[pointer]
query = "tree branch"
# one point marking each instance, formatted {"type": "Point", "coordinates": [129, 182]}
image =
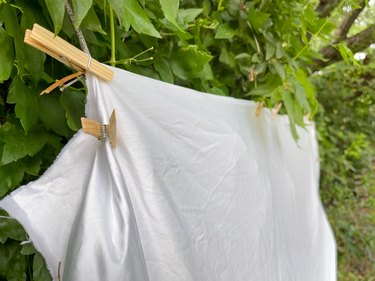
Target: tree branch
{"type": "Point", "coordinates": [355, 43]}
{"type": "Point", "coordinates": [348, 21]}
{"type": "Point", "coordinates": [325, 7]}
{"type": "Point", "coordinates": [81, 38]}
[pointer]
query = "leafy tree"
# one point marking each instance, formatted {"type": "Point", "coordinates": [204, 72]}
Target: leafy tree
{"type": "Point", "coordinates": [261, 50]}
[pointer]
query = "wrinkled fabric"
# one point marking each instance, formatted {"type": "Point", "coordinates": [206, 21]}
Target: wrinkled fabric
{"type": "Point", "coordinates": [198, 188]}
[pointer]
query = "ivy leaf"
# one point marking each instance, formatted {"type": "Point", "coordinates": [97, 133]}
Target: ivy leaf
{"type": "Point", "coordinates": [80, 8]}
{"type": "Point", "coordinates": [52, 115]}
{"type": "Point", "coordinates": [73, 103]}
{"type": "Point", "coordinates": [40, 272]}
{"type": "Point", "coordinates": [257, 18]}
{"type": "Point", "coordinates": [224, 31]}
{"type": "Point", "coordinates": [10, 176]}
{"type": "Point", "coordinates": [6, 55]}
{"type": "Point", "coordinates": [18, 145]}
{"type": "Point", "coordinates": [26, 108]}
{"type": "Point", "coordinates": [56, 9]}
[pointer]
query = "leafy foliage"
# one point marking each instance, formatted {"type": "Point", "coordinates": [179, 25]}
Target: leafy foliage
{"type": "Point", "coordinates": [346, 133]}
{"type": "Point", "coordinates": [260, 50]}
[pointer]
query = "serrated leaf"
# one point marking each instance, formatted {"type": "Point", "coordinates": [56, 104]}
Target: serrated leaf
{"type": "Point", "coordinates": [10, 177]}
{"type": "Point", "coordinates": [56, 9]}
{"type": "Point", "coordinates": [40, 271]}
{"type": "Point", "coordinates": [80, 8]}
{"type": "Point", "coordinates": [162, 67]}
{"type": "Point", "coordinates": [74, 105]}
{"type": "Point", "coordinates": [224, 31]}
{"type": "Point", "coordinates": [24, 98]}
{"type": "Point", "coordinates": [257, 18]}
{"type": "Point", "coordinates": [92, 22]}
{"type": "Point", "coordinates": [6, 55]}
{"type": "Point", "coordinates": [170, 8]}
{"type": "Point", "coordinates": [10, 228]}
{"type": "Point", "coordinates": [52, 115]}
{"type": "Point", "coordinates": [18, 144]}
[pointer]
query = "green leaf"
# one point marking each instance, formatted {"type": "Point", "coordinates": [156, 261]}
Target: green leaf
{"type": "Point", "coordinates": [52, 115]}
{"type": "Point", "coordinates": [170, 8]}
{"type": "Point", "coordinates": [28, 249]}
{"type": "Point", "coordinates": [13, 263]}
{"type": "Point", "coordinates": [188, 61]}
{"type": "Point", "coordinates": [10, 228]}
{"type": "Point", "coordinates": [33, 58]}
{"type": "Point", "coordinates": [9, 16]}
{"type": "Point", "coordinates": [92, 22]}
{"type": "Point", "coordinates": [188, 15]}
{"type": "Point", "coordinates": [18, 145]}
{"type": "Point", "coordinates": [10, 176]}
{"type": "Point", "coordinates": [270, 50]}
{"type": "Point", "coordinates": [227, 57]}
{"type": "Point", "coordinates": [32, 165]}
{"type": "Point", "coordinates": [224, 31]}
{"type": "Point", "coordinates": [25, 98]}
{"type": "Point", "coordinates": [132, 14]}
{"type": "Point", "coordinates": [6, 55]}
{"type": "Point", "coordinates": [74, 105]}
{"type": "Point", "coordinates": [164, 70]}
{"type": "Point", "coordinates": [40, 272]}
{"type": "Point", "coordinates": [279, 69]}
{"type": "Point", "coordinates": [257, 18]}
{"type": "Point", "coordinates": [56, 9]}
{"type": "Point", "coordinates": [80, 8]}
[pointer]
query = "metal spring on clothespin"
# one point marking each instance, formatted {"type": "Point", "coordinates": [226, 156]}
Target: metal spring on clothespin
{"type": "Point", "coordinates": [101, 131]}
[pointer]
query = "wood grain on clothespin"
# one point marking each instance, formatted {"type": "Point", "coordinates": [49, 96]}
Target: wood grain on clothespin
{"type": "Point", "coordinates": [259, 108]}
{"type": "Point", "coordinates": [47, 42]}
{"type": "Point", "coordinates": [101, 131]}
{"type": "Point", "coordinates": [276, 110]}
{"type": "Point", "coordinates": [60, 82]}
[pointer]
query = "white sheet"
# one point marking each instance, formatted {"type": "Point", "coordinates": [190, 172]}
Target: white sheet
{"type": "Point", "coordinates": [198, 188]}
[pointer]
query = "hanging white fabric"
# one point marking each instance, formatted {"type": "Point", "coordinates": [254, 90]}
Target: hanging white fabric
{"type": "Point", "coordinates": [197, 189]}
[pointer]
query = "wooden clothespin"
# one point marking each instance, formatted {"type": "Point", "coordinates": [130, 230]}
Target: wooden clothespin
{"type": "Point", "coordinates": [101, 131]}
{"type": "Point", "coordinates": [61, 82]}
{"type": "Point", "coordinates": [259, 108]}
{"type": "Point", "coordinates": [58, 48]}
{"type": "Point", "coordinates": [276, 110]}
